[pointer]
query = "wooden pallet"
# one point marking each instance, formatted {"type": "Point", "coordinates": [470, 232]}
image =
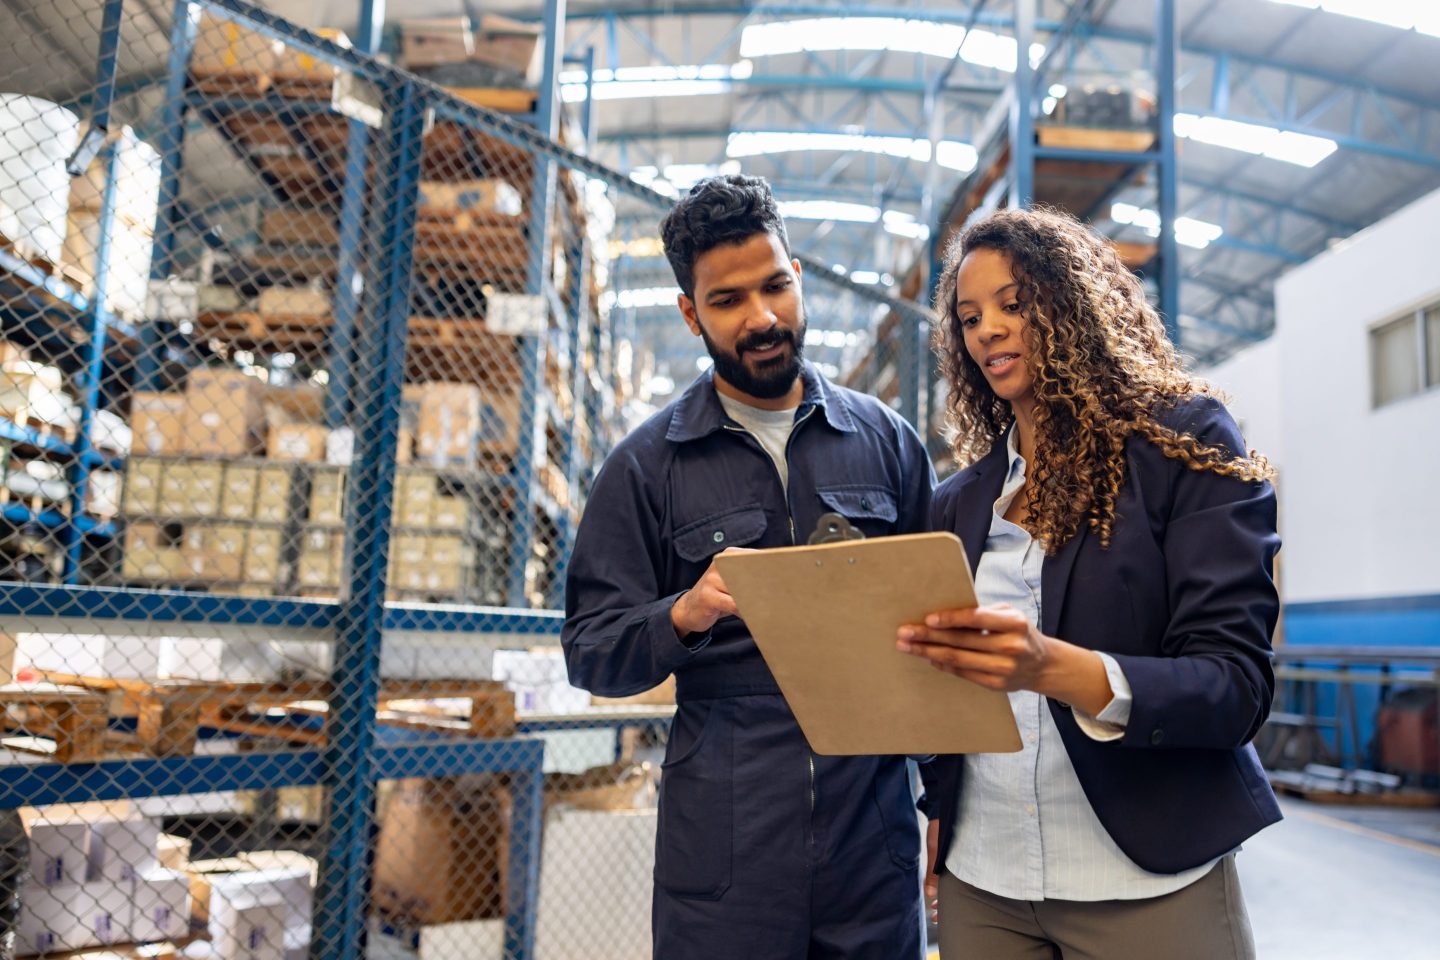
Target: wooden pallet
{"type": "Point", "coordinates": [66, 722]}
{"type": "Point", "coordinates": [169, 713]}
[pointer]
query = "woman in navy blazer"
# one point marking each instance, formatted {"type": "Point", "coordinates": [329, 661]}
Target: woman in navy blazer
{"type": "Point", "coordinates": [1111, 502]}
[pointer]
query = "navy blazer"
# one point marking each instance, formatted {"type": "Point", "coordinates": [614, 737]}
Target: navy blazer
{"type": "Point", "coordinates": [1184, 599]}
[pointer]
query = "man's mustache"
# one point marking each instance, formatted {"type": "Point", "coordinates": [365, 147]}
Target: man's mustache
{"type": "Point", "coordinates": [763, 341]}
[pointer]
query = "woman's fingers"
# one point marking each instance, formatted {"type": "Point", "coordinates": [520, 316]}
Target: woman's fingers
{"type": "Point", "coordinates": [995, 619]}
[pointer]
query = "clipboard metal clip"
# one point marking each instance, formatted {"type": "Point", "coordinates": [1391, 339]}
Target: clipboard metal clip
{"type": "Point", "coordinates": [833, 528]}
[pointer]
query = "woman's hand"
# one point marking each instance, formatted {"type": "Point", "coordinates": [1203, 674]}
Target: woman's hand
{"type": "Point", "coordinates": [995, 646]}
{"type": "Point", "coordinates": [999, 649]}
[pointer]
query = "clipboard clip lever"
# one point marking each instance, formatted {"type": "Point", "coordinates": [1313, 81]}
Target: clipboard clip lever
{"type": "Point", "coordinates": [833, 528]}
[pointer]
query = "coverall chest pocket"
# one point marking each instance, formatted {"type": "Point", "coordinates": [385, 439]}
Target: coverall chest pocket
{"type": "Point", "coordinates": [871, 508]}
{"type": "Point", "coordinates": [700, 540]}
{"type": "Point", "coordinates": [693, 845]}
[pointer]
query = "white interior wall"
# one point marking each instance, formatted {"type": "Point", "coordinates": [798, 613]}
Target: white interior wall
{"type": "Point", "coordinates": [1358, 485]}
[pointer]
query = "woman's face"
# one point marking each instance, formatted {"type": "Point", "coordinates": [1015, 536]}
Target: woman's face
{"type": "Point", "coordinates": [994, 323]}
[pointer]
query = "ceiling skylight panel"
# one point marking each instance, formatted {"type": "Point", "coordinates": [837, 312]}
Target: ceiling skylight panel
{"type": "Point", "coordinates": [1420, 15]}
{"type": "Point", "coordinates": [1298, 148]}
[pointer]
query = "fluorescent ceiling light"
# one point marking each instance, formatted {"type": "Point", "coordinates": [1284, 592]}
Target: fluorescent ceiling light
{"type": "Point", "coordinates": [865, 276]}
{"type": "Point", "coordinates": [980, 47]}
{"type": "Point", "coordinates": [641, 297]}
{"type": "Point", "coordinates": [680, 176]}
{"type": "Point", "coordinates": [900, 224]}
{"type": "Point", "coordinates": [1192, 233]}
{"type": "Point", "coordinates": [1300, 149]}
{"type": "Point", "coordinates": [1422, 16]}
{"type": "Point", "coordinates": [949, 153]}
{"type": "Point", "coordinates": [628, 83]}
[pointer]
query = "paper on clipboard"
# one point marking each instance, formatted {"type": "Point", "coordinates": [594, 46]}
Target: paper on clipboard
{"type": "Point", "coordinates": [825, 618]}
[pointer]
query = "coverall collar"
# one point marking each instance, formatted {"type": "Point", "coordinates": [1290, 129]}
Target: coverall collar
{"type": "Point", "coordinates": [698, 412]}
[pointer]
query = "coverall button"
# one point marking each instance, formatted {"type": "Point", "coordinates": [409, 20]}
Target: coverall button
{"type": "Point", "coordinates": [719, 536]}
{"type": "Point", "coordinates": [1156, 737]}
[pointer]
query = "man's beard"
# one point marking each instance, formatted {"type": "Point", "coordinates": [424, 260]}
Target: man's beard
{"type": "Point", "coordinates": [769, 379]}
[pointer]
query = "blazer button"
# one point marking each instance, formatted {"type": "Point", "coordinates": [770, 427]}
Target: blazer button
{"type": "Point", "coordinates": [1156, 737]}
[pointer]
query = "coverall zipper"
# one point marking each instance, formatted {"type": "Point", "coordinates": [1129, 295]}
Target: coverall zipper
{"type": "Point", "coordinates": [790, 516]}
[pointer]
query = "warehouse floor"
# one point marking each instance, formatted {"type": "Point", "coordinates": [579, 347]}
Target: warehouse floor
{"type": "Point", "coordinates": [1344, 883]}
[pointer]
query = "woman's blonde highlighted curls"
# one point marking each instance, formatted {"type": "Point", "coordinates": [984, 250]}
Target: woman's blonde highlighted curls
{"type": "Point", "coordinates": [1104, 372]}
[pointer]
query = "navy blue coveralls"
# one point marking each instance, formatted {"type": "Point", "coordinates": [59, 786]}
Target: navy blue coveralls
{"type": "Point", "coordinates": [764, 850]}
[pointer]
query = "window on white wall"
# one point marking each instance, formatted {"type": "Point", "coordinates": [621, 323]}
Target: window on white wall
{"type": "Point", "coordinates": [1432, 345]}
{"type": "Point", "coordinates": [1396, 360]}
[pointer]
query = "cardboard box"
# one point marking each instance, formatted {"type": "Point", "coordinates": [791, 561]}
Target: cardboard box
{"type": "Point", "coordinates": [58, 852]}
{"type": "Point", "coordinates": [539, 680]}
{"type": "Point", "coordinates": [224, 413]}
{"type": "Point", "coordinates": [152, 553]}
{"type": "Point", "coordinates": [237, 493]}
{"type": "Point", "coordinates": [458, 421]}
{"type": "Point", "coordinates": [32, 391]}
{"type": "Point", "coordinates": [157, 423]}
{"type": "Point", "coordinates": [467, 196]}
{"type": "Point", "coordinates": [431, 42]}
{"type": "Point", "coordinates": [327, 497]}
{"type": "Point", "coordinates": [450, 513]}
{"type": "Point", "coordinates": [161, 901]}
{"type": "Point", "coordinates": [216, 552]}
{"type": "Point", "coordinates": [262, 555]}
{"type": "Point", "coordinates": [272, 494]}
{"type": "Point", "coordinates": [143, 480]}
{"type": "Point", "coordinates": [55, 919]}
{"type": "Point", "coordinates": [321, 558]}
{"type": "Point", "coordinates": [511, 45]}
{"type": "Point", "coordinates": [224, 48]}
{"type": "Point", "coordinates": [298, 442]}
{"type": "Point", "coordinates": [285, 874]}
{"type": "Point", "coordinates": [441, 853]}
{"type": "Point", "coordinates": [190, 489]}
{"type": "Point", "coordinates": [299, 227]}
{"type": "Point", "coordinates": [296, 66]}
{"type": "Point", "coordinates": [122, 850]}
{"type": "Point", "coordinates": [294, 302]}
{"type": "Point", "coordinates": [248, 928]}
{"type": "Point", "coordinates": [415, 495]}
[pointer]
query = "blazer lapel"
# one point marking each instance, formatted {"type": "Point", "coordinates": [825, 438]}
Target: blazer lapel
{"type": "Point", "coordinates": [976, 501]}
{"type": "Point", "coordinates": [1055, 580]}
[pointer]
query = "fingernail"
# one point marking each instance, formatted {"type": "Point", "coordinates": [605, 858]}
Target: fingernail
{"type": "Point", "coordinates": [902, 646]}
{"type": "Point", "coordinates": [932, 621]}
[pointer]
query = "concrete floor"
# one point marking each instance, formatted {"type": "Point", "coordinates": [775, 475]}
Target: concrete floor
{"type": "Point", "coordinates": [1345, 883]}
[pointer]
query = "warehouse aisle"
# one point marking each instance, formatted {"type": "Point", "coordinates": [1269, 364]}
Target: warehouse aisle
{"type": "Point", "coordinates": [1322, 886]}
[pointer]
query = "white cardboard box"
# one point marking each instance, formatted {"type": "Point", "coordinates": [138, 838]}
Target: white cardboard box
{"type": "Point", "coordinates": [58, 852]}
{"type": "Point", "coordinates": [539, 680]}
{"type": "Point", "coordinates": [121, 850]}
{"type": "Point", "coordinates": [290, 885]}
{"type": "Point", "coordinates": [162, 906]}
{"type": "Point", "coordinates": [248, 929]}
{"type": "Point", "coordinates": [54, 919]}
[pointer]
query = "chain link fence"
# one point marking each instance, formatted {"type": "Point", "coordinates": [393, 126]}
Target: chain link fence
{"type": "Point", "coordinates": [307, 363]}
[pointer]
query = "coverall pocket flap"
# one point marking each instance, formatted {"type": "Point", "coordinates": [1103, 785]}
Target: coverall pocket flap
{"type": "Point", "coordinates": [703, 539]}
{"type": "Point", "coordinates": [860, 502]}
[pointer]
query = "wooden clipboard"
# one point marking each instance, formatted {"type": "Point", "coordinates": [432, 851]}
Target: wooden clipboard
{"type": "Point", "coordinates": [825, 617]}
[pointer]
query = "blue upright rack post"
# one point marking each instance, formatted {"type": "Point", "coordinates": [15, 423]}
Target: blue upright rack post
{"type": "Point", "coordinates": [1165, 58]}
{"type": "Point", "coordinates": [532, 349]}
{"type": "Point", "coordinates": [345, 878]}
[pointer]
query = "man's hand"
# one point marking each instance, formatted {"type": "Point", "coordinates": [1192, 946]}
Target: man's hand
{"type": "Point", "coordinates": [697, 609]}
{"type": "Point", "coordinates": [932, 879]}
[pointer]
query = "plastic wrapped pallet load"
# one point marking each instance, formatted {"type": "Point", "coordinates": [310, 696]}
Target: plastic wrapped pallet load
{"type": "Point", "coordinates": [34, 187]}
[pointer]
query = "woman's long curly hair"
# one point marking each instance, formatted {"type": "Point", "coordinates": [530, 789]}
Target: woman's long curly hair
{"type": "Point", "coordinates": [1103, 370]}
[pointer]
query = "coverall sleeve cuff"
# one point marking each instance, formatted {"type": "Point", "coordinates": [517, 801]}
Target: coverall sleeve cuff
{"type": "Point", "coordinates": [662, 631]}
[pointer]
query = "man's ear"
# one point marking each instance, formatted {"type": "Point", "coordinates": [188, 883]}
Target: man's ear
{"type": "Point", "coordinates": [687, 310]}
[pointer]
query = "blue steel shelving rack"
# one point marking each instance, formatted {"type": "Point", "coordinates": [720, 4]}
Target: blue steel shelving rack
{"type": "Point", "coordinates": [367, 397]}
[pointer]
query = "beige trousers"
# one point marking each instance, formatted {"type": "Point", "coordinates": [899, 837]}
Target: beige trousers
{"type": "Point", "coordinates": [1204, 921]}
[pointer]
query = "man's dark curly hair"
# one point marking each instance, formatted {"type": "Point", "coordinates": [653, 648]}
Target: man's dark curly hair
{"type": "Point", "coordinates": [717, 211]}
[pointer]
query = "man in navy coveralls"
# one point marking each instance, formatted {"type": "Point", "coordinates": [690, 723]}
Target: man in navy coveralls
{"type": "Point", "coordinates": [764, 851]}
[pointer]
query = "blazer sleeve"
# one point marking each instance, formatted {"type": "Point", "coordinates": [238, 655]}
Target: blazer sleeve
{"type": "Point", "coordinates": [617, 636]}
{"type": "Point", "coordinates": [1211, 682]}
